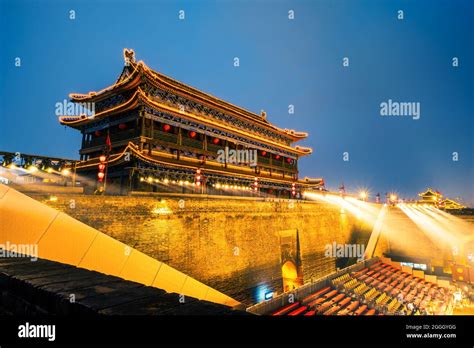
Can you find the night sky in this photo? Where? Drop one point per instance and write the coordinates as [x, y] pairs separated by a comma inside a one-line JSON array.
[[282, 62]]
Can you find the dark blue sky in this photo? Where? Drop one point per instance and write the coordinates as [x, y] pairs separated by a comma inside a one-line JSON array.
[[282, 62]]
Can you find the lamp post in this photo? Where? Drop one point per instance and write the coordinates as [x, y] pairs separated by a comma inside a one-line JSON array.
[[103, 166], [74, 174], [198, 180], [363, 195], [101, 175]]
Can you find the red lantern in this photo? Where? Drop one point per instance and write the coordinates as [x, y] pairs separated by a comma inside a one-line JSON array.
[[215, 141], [166, 127], [102, 158], [97, 133], [101, 167], [100, 175], [192, 134], [277, 157], [122, 126], [264, 153], [288, 160]]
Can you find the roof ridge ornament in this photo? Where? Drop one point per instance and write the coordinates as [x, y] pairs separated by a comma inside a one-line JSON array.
[[128, 56], [263, 113]]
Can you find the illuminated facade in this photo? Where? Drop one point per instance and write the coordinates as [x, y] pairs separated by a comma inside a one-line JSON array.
[[436, 198], [161, 135], [449, 204], [430, 197]]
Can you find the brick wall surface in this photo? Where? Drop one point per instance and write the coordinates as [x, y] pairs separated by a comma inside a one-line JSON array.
[[232, 245]]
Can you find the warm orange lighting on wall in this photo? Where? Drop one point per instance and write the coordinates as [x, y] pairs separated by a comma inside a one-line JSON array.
[[32, 169]]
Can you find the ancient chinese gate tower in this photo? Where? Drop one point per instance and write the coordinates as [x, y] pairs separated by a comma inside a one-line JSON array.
[[164, 136]]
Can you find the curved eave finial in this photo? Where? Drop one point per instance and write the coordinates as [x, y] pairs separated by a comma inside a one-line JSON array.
[[305, 150], [313, 180], [295, 134], [66, 120], [128, 56]]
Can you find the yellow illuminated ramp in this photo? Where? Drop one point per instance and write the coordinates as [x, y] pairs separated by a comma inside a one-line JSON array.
[[59, 237], [376, 232]]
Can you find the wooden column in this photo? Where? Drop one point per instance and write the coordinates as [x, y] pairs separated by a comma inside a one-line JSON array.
[[180, 142], [143, 125], [226, 145], [152, 135], [142, 133]]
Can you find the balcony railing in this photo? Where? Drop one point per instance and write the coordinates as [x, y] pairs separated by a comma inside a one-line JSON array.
[[115, 137], [196, 144], [213, 148], [166, 137]]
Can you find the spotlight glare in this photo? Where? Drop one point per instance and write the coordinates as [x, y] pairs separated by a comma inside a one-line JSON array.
[[32, 169]]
